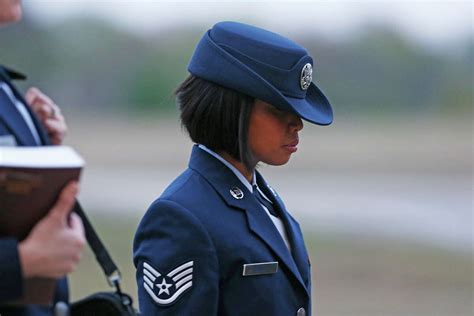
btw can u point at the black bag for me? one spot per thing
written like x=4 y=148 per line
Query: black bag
x=103 y=303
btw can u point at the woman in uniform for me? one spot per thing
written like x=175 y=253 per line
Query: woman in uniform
x=219 y=240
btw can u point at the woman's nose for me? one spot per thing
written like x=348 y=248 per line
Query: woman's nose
x=295 y=122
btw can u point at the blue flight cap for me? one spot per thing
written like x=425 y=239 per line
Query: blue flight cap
x=261 y=64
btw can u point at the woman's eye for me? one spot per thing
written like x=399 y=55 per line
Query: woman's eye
x=277 y=112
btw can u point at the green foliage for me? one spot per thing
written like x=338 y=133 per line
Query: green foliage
x=89 y=65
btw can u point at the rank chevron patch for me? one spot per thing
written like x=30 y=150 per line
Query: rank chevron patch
x=165 y=289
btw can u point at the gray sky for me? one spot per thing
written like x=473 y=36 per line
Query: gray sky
x=430 y=22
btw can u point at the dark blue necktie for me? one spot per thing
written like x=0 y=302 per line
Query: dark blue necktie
x=263 y=201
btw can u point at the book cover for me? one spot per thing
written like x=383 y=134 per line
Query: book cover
x=31 y=179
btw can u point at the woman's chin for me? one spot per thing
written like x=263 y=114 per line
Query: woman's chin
x=278 y=161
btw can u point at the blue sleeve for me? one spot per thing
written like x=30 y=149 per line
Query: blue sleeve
x=177 y=269
x=11 y=279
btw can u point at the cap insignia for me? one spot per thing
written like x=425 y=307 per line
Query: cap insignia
x=306 y=76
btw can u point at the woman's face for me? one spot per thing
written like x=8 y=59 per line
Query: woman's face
x=273 y=134
x=10 y=11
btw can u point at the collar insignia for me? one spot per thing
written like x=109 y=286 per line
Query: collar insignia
x=236 y=193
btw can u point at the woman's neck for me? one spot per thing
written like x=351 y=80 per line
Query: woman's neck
x=248 y=174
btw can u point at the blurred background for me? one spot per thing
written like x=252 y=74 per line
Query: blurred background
x=384 y=195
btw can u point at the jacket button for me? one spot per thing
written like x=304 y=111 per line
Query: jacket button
x=301 y=312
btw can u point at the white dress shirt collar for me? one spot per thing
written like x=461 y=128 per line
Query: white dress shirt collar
x=237 y=173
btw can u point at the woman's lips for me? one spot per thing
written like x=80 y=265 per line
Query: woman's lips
x=292 y=147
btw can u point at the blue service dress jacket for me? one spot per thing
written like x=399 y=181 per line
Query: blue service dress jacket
x=15 y=132
x=206 y=247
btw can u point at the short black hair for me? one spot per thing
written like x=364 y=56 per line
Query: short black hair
x=216 y=117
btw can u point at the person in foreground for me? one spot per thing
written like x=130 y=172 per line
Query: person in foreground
x=54 y=246
x=219 y=240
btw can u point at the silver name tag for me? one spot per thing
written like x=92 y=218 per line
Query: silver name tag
x=260 y=268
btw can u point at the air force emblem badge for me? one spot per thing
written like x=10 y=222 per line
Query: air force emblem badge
x=306 y=76
x=165 y=289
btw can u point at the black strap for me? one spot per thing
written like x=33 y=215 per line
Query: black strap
x=101 y=254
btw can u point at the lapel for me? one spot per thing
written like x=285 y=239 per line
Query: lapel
x=292 y=228
x=223 y=180
x=12 y=118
